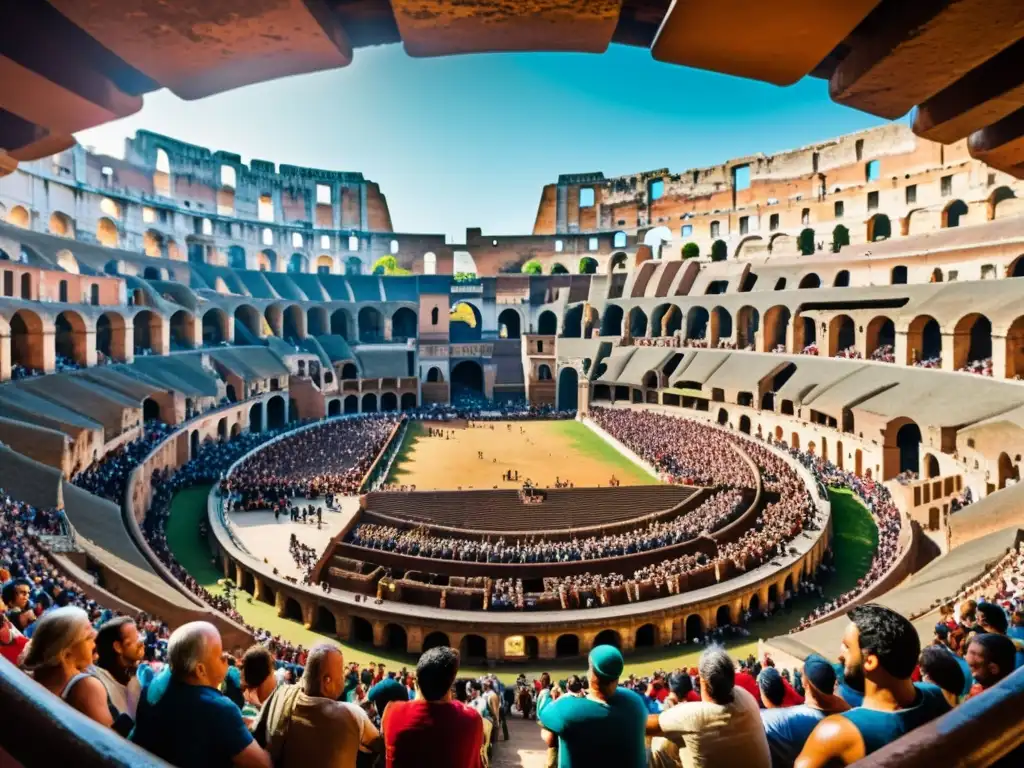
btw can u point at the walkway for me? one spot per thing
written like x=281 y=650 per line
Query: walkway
x=524 y=749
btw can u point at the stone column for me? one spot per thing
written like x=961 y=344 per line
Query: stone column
x=280 y=598
x=342 y=626
x=48 y=350
x=5 y=357
x=380 y=638
x=414 y=639
x=308 y=614
x=258 y=591
x=949 y=345
x=1000 y=347
x=901 y=348
x=85 y=347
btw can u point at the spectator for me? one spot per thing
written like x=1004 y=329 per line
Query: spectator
x=305 y=724
x=991 y=658
x=604 y=728
x=383 y=693
x=208 y=730
x=724 y=728
x=17 y=597
x=993 y=620
x=880 y=651
x=119 y=651
x=258 y=680
x=433 y=731
x=59 y=656
x=787 y=728
x=940 y=667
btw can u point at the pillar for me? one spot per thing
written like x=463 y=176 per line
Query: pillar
x=47 y=355
x=546 y=647
x=258 y=589
x=949 y=347
x=1000 y=347
x=162 y=339
x=308 y=614
x=342 y=626
x=414 y=639
x=5 y=357
x=280 y=598
x=628 y=638
x=122 y=343
x=379 y=634
x=88 y=354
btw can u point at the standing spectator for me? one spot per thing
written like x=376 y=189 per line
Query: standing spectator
x=724 y=728
x=119 y=651
x=58 y=657
x=306 y=725
x=880 y=651
x=787 y=728
x=604 y=728
x=433 y=731
x=208 y=730
x=991 y=658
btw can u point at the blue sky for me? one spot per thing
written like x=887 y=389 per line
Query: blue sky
x=469 y=141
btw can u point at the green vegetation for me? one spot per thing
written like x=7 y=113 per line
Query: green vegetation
x=840 y=238
x=559 y=269
x=532 y=267
x=854 y=540
x=805 y=242
x=388 y=266
x=413 y=433
x=587 y=443
x=719 y=250
x=588 y=266
x=691 y=251
x=464 y=277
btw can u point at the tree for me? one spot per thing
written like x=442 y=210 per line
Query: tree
x=691 y=251
x=588 y=266
x=558 y=269
x=840 y=237
x=464 y=277
x=532 y=267
x=805 y=242
x=388 y=266
x=719 y=251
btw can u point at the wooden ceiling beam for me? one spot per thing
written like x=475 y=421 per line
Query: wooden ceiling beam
x=1001 y=144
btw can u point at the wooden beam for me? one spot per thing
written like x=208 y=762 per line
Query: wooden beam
x=778 y=42
x=44 y=147
x=914 y=50
x=1001 y=144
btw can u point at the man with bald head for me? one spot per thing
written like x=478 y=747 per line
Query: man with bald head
x=184 y=719
x=305 y=726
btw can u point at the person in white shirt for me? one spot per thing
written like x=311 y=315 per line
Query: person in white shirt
x=119 y=651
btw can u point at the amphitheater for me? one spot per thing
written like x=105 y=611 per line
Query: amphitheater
x=841 y=316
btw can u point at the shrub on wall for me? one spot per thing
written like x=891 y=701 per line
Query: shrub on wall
x=691 y=251
x=719 y=250
x=532 y=267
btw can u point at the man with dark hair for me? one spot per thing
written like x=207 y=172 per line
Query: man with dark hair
x=606 y=727
x=939 y=666
x=17 y=596
x=880 y=650
x=787 y=728
x=991 y=658
x=773 y=692
x=724 y=727
x=433 y=731
x=119 y=651
x=993 y=619
x=258 y=680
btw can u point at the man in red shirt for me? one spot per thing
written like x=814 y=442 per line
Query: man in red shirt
x=433 y=731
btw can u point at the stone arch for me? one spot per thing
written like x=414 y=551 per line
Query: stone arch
x=697 y=322
x=930 y=466
x=297 y=264
x=879 y=228
x=1016 y=267
x=567 y=646
x=776 y=328
x=924 y=339
x=748 y=323
x=723 y=416
x=723 y=616
x=266 y=261
x=568 y=389
x=953 y=214
x=842 y=335
x=236 y=257
x=110 y=336
x=317 y=321
x=69 y=337
x=340 y=324
x=408 y=401
x=587 y=266
x=1015 y=349
x=637 y=322
x=148 y=330
x=182 y=324
x=745 y=424
x=360 y=630
x=810 y=280
x=608 y=637
x=509 y=324
x=107 y=233
x=388 y=402
x=618 y=262
x=334 y=407
x=467 y=378
x=351 y=404
x=881 y=337
x=646 y=636
x=349 y=372
x=403 y=324
x=194 y=444
x=369 y=403
x=473 y=648
x=611 y=323
x=544 y=372
x=276 y=412
x=27 y=340
x=721 y=325
x=395 y=638
x=66 y=260
x=794 y=440
x=435 y=375
x=898 y=276
x=1006 y=471
x=694 y=626
x=256 y=417
x=249 y=318
x=371 y=325
x=436 y=640
x=19 y=216
x=842 y=279
x=972 y=339
x=215 y=327
x=746 y=244
x=465 y=322
x=547 y=323
x=572 y=327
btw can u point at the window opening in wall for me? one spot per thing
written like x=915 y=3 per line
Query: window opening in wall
x=686 y=230
x=110 y=208
x=773 y=222
x=559 y=246
x=148 y=215
x=265 y=208
x=839 y=208
x=325 y=241
x=296 y=240
x=814 y=162
x=394 y=247
x=946 y=186
x=873 y=171
x=715 y=228
x=353 y=243
x=207 y=227
x=805 y=216
x=911 y=192
x=592 y=243
x=267 y=236
x=657 y=190
x=872 y=201
x=619 y=240
x=586 y=197
x=430 y=263
x=323 y=194
x=741 y=177
x=227 y=176
x=744 y=224
x=859 y=149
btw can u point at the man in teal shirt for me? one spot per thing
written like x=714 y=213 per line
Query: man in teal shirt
x=606 y=727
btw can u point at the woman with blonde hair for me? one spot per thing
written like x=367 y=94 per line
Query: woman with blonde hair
x=60 y=651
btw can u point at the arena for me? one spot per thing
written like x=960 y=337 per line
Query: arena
x=737 y=443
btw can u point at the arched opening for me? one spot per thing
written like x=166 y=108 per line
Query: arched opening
x=931 y=466
x=408 y=401
x=721 y=325
x=292 y=609
x=369 y=403
x=110 y=341
x=637 y=323
x=694 y=627
x=776 y=329
x=396 y=639
x=810 y=280
x=559 y=269
x=317 y=322
x=27 y=340
x=371 y=325
x=349 y=372
x=617 y=262
x=339 y=323
x=146 y=332
x=842 y=337
x=972 y=343
x=842 y=279
x=646 y=636
x=547 y=323
x=352 y=404
x=924 y=342
x=293 y=324
x=69 y=338
x=353 y=265
x=908 y=440
x=805 y=241
x=1016 y=268
x=572 y=326
x=388 y=402
x=214 y=327
x=723 y=416
x=881 y=340
x=567 y=646
x=334 y=408
x=266 y=260
x=361 y=631
x=723 y=616
x=325 y=622
x=588 y=266
x=1007 y=471
x=403 y=324
x=568 y=389
x=193 y=444
x=879 y=228
x=745 y=424
x=899 y=275
x=436 y=640
x=953 y=213
x=434 y=375
x=236 y=257
x=256 y=417
x=697 y=324
x=608 y=637
x=467 y=380
x=248 y=319
x=1015 y=349
x=544 y=372
x=297 y=264
x=611 y=323
x=473 y=649
x=509 y=324
x=276 y=412
x=107 y=234
x=465 y=324
x=150 y=410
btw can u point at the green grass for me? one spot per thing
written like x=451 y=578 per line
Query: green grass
x=854 y=541
x=588 y=443
x=413 y=433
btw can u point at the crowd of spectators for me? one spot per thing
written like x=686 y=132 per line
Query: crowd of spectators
x=978 y=367
x=108 y=476
x=850 y=353
x=928 y=362
x=884 y=353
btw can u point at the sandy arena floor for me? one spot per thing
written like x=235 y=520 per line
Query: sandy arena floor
x=541 y=451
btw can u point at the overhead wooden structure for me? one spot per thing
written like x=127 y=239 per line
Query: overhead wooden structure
x=67 y=65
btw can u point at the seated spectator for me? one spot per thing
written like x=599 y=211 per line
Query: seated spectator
x=59 y=656
x=724 y=728
x=17 y=596
x=305 y=724
x=119 y=651
x=787 y=728
x=12 y=642
x=433 y=731
x=880 y=651
x=993 y=620
x=604 y=728
x=991 y=658
x=258 y=680
x=941 y=667
x=208 y=730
